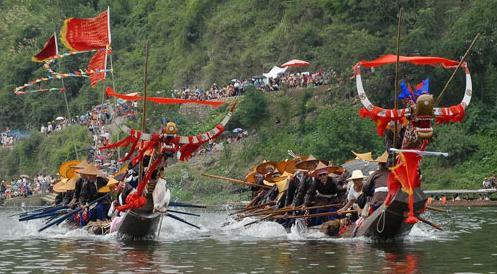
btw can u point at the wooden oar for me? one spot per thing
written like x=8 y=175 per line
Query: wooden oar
x=430 y=223
x=283 y=210
x=251 y=208
x=184 y=213
x=180 y=204
x=234 y=180
x=437 y=209
x=42 y=215
x=181 y=220
x=39 y=210
x=313 y=215
x=262 y=219
x=274 y=216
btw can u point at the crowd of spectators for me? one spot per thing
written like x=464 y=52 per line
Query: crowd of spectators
x=237 y=87
x=7 y=139
x=23 y=186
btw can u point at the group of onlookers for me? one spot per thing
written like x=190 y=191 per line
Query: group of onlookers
x=24 y=187
x=237 y=87
x=7 y=139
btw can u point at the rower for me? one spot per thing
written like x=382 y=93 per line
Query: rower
x=325 y=188
x=375 y=187
x=354 y=191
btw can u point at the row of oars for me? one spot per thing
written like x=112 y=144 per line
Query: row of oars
x=57 y=214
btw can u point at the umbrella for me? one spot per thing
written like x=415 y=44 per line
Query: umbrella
x=236 y=130
x=364 y=166
x=60 y=118
x=296 y=63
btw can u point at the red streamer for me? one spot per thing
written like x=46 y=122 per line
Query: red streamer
x=162 y=100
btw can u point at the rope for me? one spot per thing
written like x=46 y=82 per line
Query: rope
x=382 y=219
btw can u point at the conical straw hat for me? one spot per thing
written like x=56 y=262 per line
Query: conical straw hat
x=383 y=158
x=66 y=169
x=59 y=186
x=91 y=170
x=356 y=174
x=106 y=188
x=265 y=165
x=364 y=156
x=324 y=168
x=71 y=183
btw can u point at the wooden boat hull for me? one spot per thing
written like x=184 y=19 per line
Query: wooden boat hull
x=388 y=222
x=141 y=223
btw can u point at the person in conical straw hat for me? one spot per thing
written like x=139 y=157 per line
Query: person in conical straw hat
x=321 y=189
x=87 y=188
x=376 y=185
x=355 y=190
x=279 y=185
x=299 y=167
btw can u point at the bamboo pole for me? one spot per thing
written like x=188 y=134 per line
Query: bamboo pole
x=396 y=85
x=437 y=209
x=251 y=208
x=314 y=215
x=284 y=210
x=144 y=114
x=430 y=223
x=458 y=66
x=234 y=180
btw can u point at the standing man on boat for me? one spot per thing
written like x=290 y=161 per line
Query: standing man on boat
x=375 y=187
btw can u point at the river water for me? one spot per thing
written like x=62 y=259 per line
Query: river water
x=468 y=245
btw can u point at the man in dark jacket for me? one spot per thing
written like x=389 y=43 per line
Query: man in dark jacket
x=376 y=186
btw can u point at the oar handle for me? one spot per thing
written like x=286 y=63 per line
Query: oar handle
x=314 y=215
x=180 y=204
x=234 y=180
x=184 y=213
x=181 y=220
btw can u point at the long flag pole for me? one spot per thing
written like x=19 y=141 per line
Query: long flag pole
x=396 y=87
x=144 y=115
x=64 y=91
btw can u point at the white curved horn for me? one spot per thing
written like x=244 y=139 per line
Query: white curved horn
x=364 y=98
x=467 y=93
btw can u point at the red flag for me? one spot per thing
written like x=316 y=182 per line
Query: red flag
x=80 y=34
x=49 y=50
x=97 y=63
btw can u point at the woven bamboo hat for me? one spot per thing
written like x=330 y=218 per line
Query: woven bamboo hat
x=368 y=156
x=356 y=174
x=59 y=186
x=91 y=170
x=310 y=163
x=323 y=168
x=66 y=169
x=383 y=158
x=71 y=183
x=273 y=178
x=110 y=183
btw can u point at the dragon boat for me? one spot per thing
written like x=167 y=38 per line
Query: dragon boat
x=406 y=200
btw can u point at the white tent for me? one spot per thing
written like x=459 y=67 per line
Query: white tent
x=274 y=72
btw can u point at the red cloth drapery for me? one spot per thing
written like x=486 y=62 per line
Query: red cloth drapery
x=49 y=50
x=162 y=100
x=79 y=34
x=415 y=60
x=98 y=63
